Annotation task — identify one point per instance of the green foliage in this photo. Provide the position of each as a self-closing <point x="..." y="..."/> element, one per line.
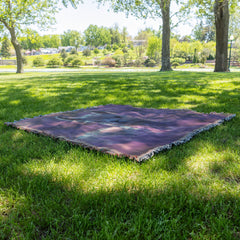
<point x="115" y="47"/>
<point x="96" y="50"/>
<point x="51" y="41"/>
<point x="115" y="35"/>
<point x="150" y="62"/>
<point x="109" y="47"/>
<point x="54" y="62"/>
<point x="125" y="50"/>
<point x="175" y="64"/>
<point x="17" y="14"/>
<point x="74" y="51"/>
<point x="118" y="52"/>
<point x="77" y="62"/>
<point x="178" y="60"/>
<point x="140" y="51"/>
<point x="154" y="48"/>
<point x="31" y="40"/>
<point x="72" y="38"/>
<point x="63" y="54"/>
<point x="38" y="62"/>
<point x="126" y="59"/>
<point x="5" y="49"/>
<point x="234" y="25"/>
<point x="205" y="33"/>
<point x="192" y="50"/>
<point x="73" y="61"/>
<point x="138" y="62"/>
<point x="97" y="36"/>
<point x="68" y="60"/>
<point x="145" y="35"/>
<point x="86" y="52"/>
<point x="119" y="60"/>
<point x="105" y="51"/>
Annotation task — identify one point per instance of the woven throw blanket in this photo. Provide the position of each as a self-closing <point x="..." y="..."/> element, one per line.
<point x="123" y="130"/>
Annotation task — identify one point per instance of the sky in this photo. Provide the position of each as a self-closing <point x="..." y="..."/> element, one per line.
<point x="88" y="13"/>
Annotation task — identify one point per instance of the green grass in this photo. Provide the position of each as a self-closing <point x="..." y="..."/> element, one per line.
<point x="52" y="190"/>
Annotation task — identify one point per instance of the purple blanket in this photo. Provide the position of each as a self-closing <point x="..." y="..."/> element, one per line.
<point x="123" y="130"/>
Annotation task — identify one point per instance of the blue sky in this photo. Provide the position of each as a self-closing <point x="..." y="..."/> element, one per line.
<point x="89" y="13"/>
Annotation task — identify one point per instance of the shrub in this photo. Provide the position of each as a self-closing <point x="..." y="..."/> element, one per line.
<point x="96" y="50"/>
<point x="105" y="52"/>
<point x="74" y="51"/>
<point x="150" y="62"/>
<point x="125" y="50"/>
<point x="119" y="60"/>
<point x="76" y="62"/>
<point x="109" y="61"/>
<point x="118" y="52"/>
<point x="203" y="59"/>
<point x="54" y="62"/>
<point x="68" y="60"/>
<point x="131" y="46"/>
<point x="138" y="62"/>
<point x="109" y="48"/>
<point x="38" y="62"/>
<point x="115" y="46"/>
<point x="175" y="64"/>
<point x="126" y="59"/>
<point x="178" y="60"/>
<point x="130" y="63"/>
<point x="86" y="52"/>
<point x="63" y="54"/>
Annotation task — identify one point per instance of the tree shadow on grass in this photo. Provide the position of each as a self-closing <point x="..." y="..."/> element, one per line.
<point x="42" y="206"/>
<point x="106" y="197"/>
<point x="39" y="95"/>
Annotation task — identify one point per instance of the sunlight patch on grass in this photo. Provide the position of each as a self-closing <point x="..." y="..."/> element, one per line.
<point x="51" y="189"/>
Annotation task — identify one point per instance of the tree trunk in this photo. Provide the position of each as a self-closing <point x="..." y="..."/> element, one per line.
<point x="17" y="48"/>
<point x="165" y="8"/>
<point x="221" y="12"/>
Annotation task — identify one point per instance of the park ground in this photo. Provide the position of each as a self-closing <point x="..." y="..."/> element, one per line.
<point x="53" y="190"/>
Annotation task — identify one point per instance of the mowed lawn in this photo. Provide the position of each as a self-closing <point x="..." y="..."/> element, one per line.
<point x="53" y="190"/>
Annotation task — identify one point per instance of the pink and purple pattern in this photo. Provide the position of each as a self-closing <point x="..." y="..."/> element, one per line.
<point x="123" y="130"/>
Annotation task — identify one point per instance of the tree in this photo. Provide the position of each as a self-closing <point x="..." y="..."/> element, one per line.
<point x="115" y="35"/>
<point x="144" y="9"/>
<point x="205" y="32"/>
<point x="72" y="38"/>
<point x="124" y="35"/>
<point x="31" y="41"/>
<point x="154" y="48"/>
<point x="15" y="15"/>
<point x="51" y="41"/>
<point x="144" y="35"/>
<point x="97" y="36"/>
<point x="5" y="50"/>
<point x="234" y="25"/>
<point x="221" y="10"/>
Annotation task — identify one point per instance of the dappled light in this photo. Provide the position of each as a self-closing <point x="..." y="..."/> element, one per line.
<point x="51" y="188"/>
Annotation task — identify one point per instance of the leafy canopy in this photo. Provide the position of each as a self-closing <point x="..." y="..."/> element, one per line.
<point x="21" y="13"/>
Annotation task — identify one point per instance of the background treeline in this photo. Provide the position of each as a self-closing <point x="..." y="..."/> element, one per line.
<point x="115" y="47"/>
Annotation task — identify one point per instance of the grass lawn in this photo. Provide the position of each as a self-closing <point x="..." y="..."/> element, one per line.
<point x="52" y="190"/>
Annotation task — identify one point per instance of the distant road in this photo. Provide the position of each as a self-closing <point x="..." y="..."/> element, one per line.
<point x="109" y="70"/>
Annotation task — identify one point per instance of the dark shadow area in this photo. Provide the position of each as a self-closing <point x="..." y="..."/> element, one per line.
<point x="55" y="211"/>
